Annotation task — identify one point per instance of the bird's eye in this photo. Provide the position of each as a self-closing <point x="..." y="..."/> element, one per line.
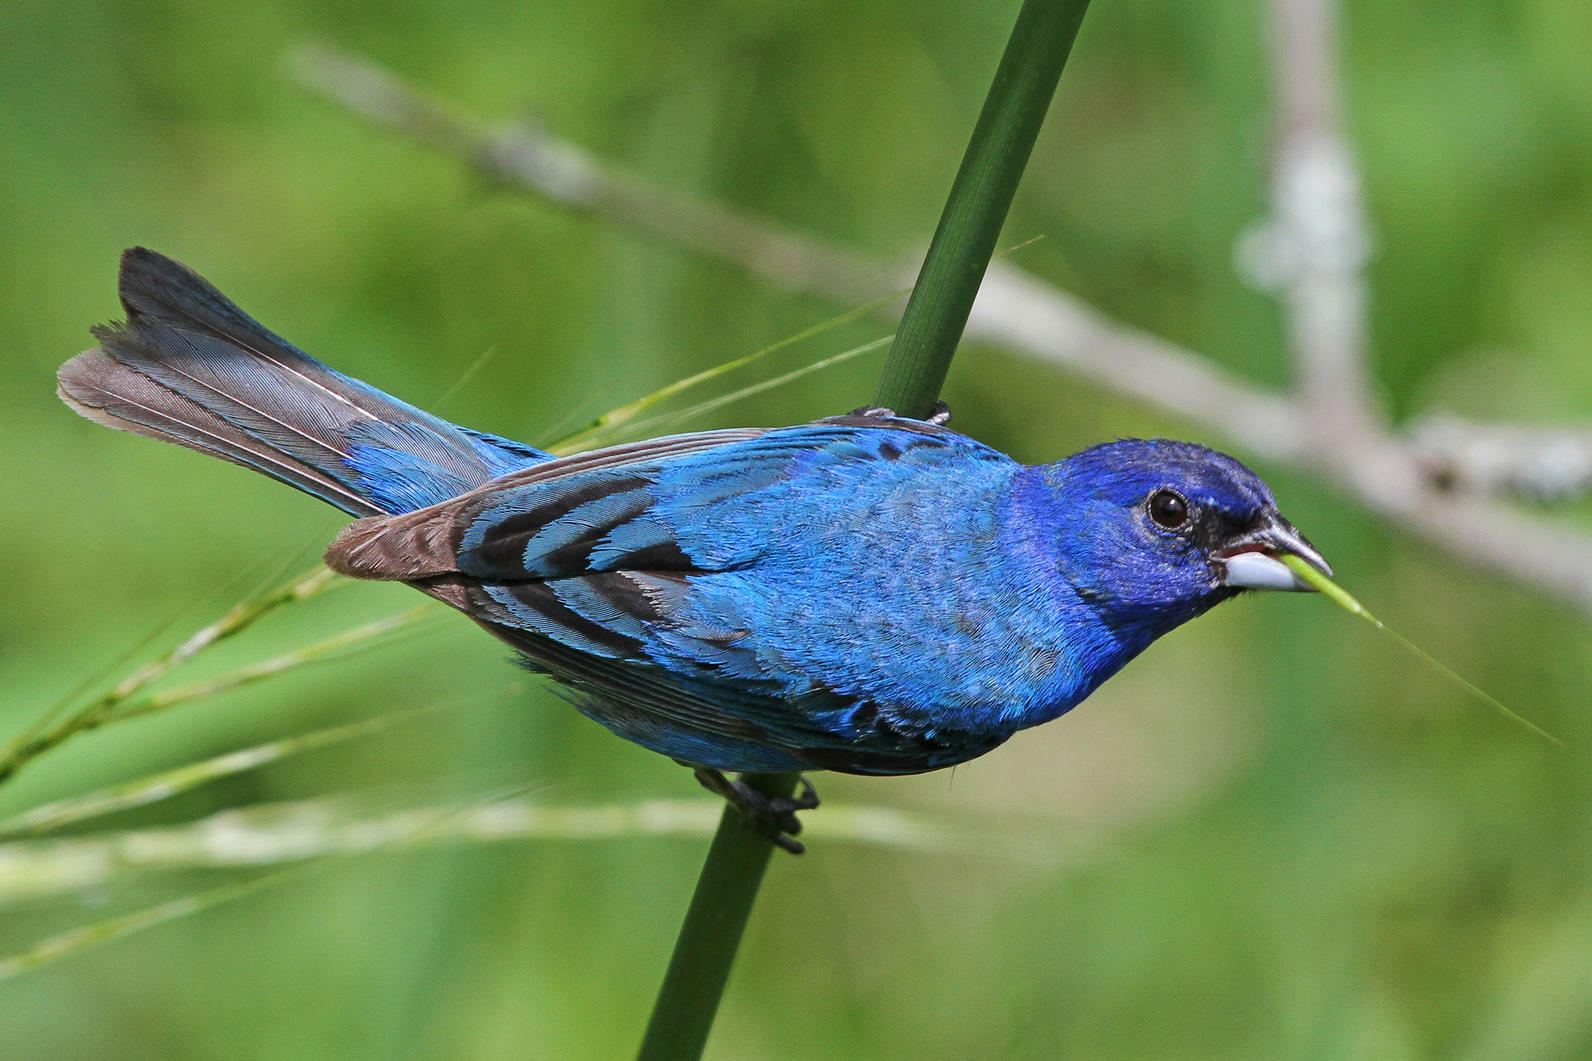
<point x="1168" y="508"/>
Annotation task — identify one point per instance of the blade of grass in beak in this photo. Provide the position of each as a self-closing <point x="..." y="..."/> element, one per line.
<point x="1340" y="596"/>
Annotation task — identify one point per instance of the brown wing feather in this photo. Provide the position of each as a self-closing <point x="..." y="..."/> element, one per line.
<point x="423" y="544"/>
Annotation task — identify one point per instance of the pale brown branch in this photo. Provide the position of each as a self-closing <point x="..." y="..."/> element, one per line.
<point x="280" y="834"/>
<point x="1538" y="463"/>
<point x="534" y="160"/>
<point x="1313" y="249"/>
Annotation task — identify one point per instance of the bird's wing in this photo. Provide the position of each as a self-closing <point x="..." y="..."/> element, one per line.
<point x="536" y="523"/>
<point x="422" y="543"/>
<point x="619" y="570"/>
<point x="692" y="505"/>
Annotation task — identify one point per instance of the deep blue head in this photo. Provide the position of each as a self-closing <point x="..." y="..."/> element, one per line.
<point x="1151" y="532"/>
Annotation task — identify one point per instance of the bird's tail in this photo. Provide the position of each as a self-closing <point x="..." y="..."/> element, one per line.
<point x="190" y="367"/>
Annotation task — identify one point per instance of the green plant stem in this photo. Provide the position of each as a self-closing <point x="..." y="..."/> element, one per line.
<point x="932" y="325"/>
<point x="982" y="193"/>
<point x="42" y="736"/>
<point x="705" y="949"/>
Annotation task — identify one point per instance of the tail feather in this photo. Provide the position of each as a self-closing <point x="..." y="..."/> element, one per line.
<point x="108" y="392"/>
<point x="190" y="367"/>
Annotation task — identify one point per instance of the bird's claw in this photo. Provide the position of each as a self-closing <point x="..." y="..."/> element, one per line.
<point x="939" y="417"/>
<point x="772" y="817"/>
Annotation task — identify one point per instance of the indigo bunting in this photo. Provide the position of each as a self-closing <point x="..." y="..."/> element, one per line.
<point x="867" y="593"/>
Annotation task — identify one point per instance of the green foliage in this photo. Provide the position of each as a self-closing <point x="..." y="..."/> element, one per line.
<point x="1280" y="836"/>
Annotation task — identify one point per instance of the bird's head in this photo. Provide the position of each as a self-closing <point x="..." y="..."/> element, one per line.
<point x="1153" y="532"/>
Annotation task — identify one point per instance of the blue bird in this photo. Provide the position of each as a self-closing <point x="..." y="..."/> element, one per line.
<point x="867" y="593"/>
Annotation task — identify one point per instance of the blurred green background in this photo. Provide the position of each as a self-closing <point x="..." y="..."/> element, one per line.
<point x="1276" y="835"/>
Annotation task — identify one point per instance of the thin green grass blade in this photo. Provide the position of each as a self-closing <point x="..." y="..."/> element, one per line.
<point x="668" y="420"/>
<point x="603" y="428"/>
<point x="487" y="357"/>
<point x="73" y="941"/>
<point x="337" y="646"/>
<point x="123" y="702"/>
<point x="143" y="791"/>
<point x="77" y="693"/>
<point x="40" y="738"/>
<point x="1341" y="597"/>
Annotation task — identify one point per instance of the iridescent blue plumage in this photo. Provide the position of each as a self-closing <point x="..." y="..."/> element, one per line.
<point x="866" y="593"/>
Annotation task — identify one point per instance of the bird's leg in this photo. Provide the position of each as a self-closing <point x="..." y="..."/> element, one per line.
<point x="939" y="417"/>
<point x="774" y="817"/>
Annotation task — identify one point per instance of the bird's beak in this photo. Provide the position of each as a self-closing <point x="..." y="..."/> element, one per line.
<point x="1250" y="561"/>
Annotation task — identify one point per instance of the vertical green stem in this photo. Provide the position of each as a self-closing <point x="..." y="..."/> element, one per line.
<point x="1004" y="137"/>
<point x="1002" y="140"/>
<point x="705" y="949"/>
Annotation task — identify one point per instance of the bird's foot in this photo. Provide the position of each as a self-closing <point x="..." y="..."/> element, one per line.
<point x="939" y="417"/>
<point x="773" y="817"/>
